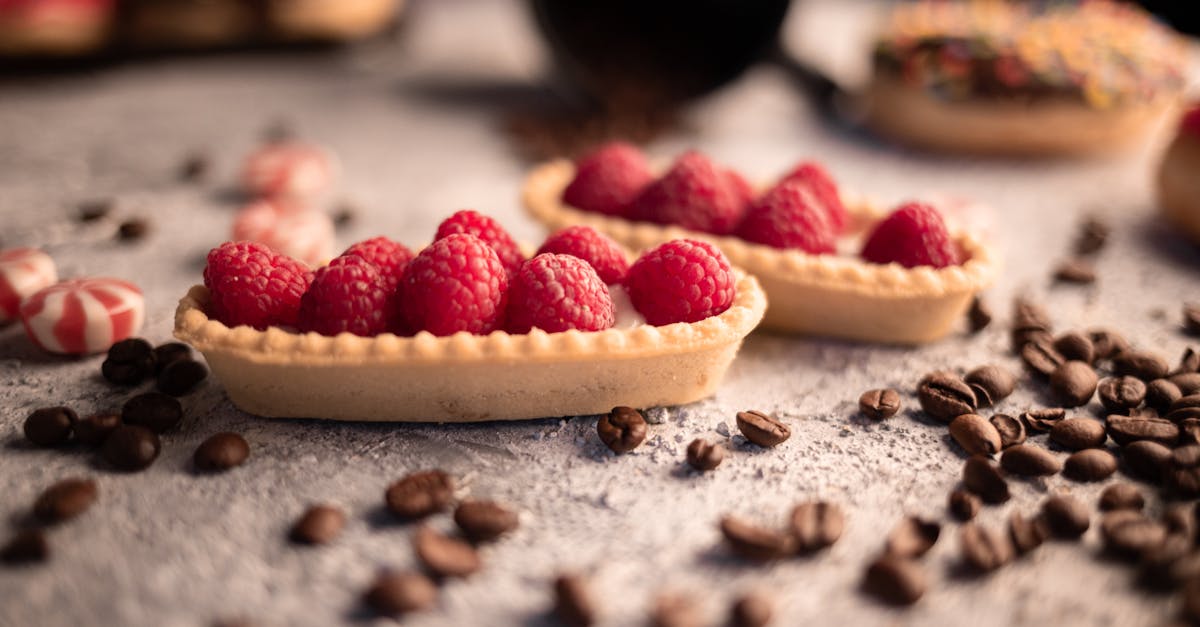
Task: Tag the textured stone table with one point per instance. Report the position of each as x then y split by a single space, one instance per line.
417 124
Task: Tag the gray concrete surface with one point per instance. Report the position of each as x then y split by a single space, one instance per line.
417 125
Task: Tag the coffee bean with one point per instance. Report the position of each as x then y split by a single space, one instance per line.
1187 382
983 549
1107 343
1025 534
912 537
1043 420
133 230
1075 346
65 500
1021 337
94 429
945 396
573 605
1180 520
1092 235
1147 460
1093 464
1170 564
344 214
1184 408
1184 474
50 426
762 429
983 478
1075 271
1041 357
1030 315
120 373
756 543
675 610
128 362
484 521
236 622
1189 431
319 524
395 594
1142 412
1191 318
895 580
1191 601
1140 364
181 376
879 404
26 547
1011 430
963 504
1121 496
420 494
96 209
1079 433
704 455
1074 383
622 430
131 448
816 525
991 384
1029 461
195 168
1189 362
221 452
752 609
1129 533
1118 394
158 412
1126 429
979 316
169 353
131 349
1066 516
975 435
445 556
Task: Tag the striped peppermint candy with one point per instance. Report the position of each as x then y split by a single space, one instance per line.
288 170
23 271
82 316
301 233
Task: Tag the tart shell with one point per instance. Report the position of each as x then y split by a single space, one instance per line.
1179 187
825 295
468 378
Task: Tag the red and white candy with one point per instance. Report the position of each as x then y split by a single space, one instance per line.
23 271
82 316
288 170
304 234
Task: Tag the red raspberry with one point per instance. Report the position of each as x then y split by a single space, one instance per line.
250 284
388 257
608 179
488 230
817 178
347 295
1191 121
680 281
914 235
695 194
558 293
455 284
592 246
789 216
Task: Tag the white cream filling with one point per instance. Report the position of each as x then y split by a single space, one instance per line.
626 316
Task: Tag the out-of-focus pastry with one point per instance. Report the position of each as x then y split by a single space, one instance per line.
326 20
54 27
1179 177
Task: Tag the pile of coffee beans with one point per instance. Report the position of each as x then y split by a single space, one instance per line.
130 362
811 527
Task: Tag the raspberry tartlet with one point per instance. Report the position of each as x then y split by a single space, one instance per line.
469 329
911 284
1178 186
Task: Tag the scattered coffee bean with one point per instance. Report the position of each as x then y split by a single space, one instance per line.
65 500
983 549
991 384
221 452
1191 318
1093 464
1170 564
1075 346
122 373
675 610
816 525
94 429
895 580
131 448
484 521
1074 383
420 494
1184 475
752 609
975 434
1148 460
156 411
1121 496
704 455
1129 533
622 430
1180 520
1107 343
50 426
762 429
26 547
169 353
1189 362
1021 337
1025 534
1030 461
912 537
93 210
573 605
1118 394
1041 357
1189 431
133 349
1126 429
279 131
1184 408
1043 420
879 404
1140 364
1092 235
1030 315
1066 516
756 543
1161 394
445 556
319 524
945 396
1187 382
983 478
1075 271
1079 433
195 168
1011 430
395 594
128 362
979 316
133 230
963 504
181 376
1142 412
344 214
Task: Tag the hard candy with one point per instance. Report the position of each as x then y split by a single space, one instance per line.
23 271
82 316
304 234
